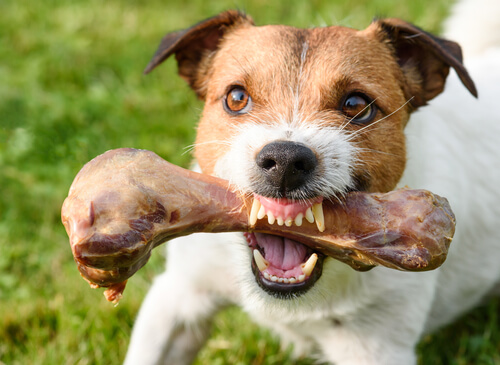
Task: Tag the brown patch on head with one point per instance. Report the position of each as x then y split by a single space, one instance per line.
304 76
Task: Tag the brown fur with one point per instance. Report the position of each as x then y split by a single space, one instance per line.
403 68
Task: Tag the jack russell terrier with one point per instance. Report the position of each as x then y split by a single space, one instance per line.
296 116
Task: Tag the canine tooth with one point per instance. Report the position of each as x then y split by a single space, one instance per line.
261 262
309 215
301 278
298 219
317 210
289 222
308 266
253 212
270 218
280 221
262 212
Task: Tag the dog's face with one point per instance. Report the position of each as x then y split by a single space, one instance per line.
289 113
294 117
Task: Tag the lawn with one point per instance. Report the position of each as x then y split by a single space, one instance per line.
71 87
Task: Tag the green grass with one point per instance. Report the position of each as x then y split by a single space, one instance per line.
71 87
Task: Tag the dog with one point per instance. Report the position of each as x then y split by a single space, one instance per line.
296 116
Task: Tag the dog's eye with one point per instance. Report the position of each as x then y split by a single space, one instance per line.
358 108
237 100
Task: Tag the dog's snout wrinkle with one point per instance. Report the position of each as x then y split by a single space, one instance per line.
286 165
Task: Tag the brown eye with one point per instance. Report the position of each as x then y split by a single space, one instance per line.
237 101
358 108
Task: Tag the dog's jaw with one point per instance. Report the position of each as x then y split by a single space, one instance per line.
333 177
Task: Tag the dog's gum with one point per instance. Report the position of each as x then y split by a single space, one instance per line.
125 202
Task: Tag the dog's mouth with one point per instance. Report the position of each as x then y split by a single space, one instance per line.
284 267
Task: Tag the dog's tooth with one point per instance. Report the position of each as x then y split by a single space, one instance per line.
309 265
270 218
280 221
309 215
253 212
266 275
274 278
317 210
292 280
286 281
288 222
261 262
262 212
301 278
298 219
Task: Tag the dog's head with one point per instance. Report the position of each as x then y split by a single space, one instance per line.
296 116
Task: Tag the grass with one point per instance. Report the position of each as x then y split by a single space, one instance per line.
71 88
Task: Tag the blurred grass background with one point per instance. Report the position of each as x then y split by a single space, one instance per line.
71 87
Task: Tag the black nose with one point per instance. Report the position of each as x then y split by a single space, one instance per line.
286 165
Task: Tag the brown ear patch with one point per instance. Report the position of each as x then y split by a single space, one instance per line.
424 58
192 45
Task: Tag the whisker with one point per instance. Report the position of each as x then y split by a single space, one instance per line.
217 141
340 199
349 120
378 121
360 132
377 151
191 147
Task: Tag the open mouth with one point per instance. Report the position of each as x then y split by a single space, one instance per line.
284 267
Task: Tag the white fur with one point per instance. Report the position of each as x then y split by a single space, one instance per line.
336 155
475 24
353 318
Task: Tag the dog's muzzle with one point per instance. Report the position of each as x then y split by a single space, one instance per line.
284 267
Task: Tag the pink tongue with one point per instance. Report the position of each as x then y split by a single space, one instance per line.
281 252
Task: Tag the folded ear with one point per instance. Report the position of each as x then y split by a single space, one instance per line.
193 45
424 59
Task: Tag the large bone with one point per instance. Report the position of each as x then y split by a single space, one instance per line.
125 202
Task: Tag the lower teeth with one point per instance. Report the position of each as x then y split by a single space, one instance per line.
276 279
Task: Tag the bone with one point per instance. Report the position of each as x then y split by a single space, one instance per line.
125 202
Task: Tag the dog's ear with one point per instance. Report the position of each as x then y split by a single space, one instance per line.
424 58
193 45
